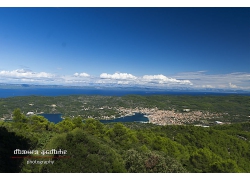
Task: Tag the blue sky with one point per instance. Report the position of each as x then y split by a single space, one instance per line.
158 47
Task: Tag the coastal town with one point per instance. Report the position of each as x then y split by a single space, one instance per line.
155 115
166 117
171 117
168 111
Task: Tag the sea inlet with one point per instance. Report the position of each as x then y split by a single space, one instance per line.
137 117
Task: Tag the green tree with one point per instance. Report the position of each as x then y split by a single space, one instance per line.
225 166
18 116
65 125
122 135
202 159
150 162
39 123
94 127
77 121
88 154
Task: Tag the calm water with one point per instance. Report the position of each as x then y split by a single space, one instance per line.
55 118
59 92
138 117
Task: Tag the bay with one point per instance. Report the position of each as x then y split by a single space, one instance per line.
55 118
137 117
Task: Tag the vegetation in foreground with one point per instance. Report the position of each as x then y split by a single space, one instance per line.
130 147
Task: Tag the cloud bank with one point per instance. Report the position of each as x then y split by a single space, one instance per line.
195 80
25 76
236 80
21 73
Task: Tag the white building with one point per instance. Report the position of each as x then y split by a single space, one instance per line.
30 113
218 122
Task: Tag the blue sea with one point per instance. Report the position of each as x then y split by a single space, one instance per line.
4 93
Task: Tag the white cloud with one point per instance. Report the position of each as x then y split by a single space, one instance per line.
207 86
163 79
123 82
146 80
81 74
120 76
232 85
21 73
236 80
155 77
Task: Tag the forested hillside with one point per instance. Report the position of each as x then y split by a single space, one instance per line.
129 147
233 108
